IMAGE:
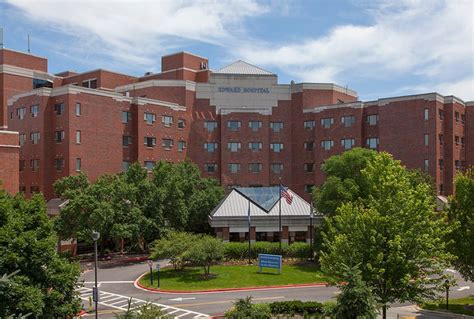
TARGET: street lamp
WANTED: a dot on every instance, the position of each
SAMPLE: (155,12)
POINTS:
(311,229)
(95,291)
(446,285)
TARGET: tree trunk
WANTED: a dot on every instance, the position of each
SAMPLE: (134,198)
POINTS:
(384,311)
(122,243)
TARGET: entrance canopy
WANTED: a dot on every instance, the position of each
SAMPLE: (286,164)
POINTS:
(263,203)
(263,197)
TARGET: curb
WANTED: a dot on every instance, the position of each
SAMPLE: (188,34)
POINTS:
(210,291)
(444,313)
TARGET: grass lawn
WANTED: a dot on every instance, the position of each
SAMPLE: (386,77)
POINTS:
(455,305)
(234,277)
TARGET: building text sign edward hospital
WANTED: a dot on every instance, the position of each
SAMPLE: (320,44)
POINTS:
(228,89)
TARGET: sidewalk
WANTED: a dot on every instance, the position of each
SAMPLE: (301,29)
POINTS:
(413,311)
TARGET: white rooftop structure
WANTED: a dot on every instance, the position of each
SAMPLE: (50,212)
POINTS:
(242,68)
(231,216)
(235,204)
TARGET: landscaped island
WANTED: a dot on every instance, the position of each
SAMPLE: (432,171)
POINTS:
(234,276)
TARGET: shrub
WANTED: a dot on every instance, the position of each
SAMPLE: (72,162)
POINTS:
(145,311)
(296,307)
(206,251)
(235,251)
(239,251)
(299,250)
(243,308)
(329,309)
(175,246)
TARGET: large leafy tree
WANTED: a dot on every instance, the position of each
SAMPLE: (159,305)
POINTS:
(344,182)
(393,232)
(135,207)
(461,217)
(44,283)
(186,198)
(118,206)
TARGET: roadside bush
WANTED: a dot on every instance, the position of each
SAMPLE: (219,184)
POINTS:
(299,250)
(239,251)
(145,311)
(235,251)
(243,309)
(329,309)
(296,307)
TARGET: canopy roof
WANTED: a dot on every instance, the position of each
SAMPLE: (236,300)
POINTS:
(263,202)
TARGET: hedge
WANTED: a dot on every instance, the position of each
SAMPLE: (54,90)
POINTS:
(239,251)
(296,307)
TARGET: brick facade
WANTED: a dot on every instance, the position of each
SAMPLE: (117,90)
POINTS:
(318,120)
(9,149)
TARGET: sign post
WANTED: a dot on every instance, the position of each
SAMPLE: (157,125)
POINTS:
(269,261)
(150,264)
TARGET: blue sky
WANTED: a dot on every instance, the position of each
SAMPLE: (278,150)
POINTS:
(379,48)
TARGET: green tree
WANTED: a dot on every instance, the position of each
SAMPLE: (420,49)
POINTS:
(461,217)
(174,246)
(186,198)
(344,181)
(356,299)
(206,251)
(120,207)
(394,233)
(44,283)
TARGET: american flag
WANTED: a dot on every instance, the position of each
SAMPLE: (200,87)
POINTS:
(284,193)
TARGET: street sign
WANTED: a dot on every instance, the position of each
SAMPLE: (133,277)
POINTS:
(269,261)
(157,266)
(95,294)
(150,262)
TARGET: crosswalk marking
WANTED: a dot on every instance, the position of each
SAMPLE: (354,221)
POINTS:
(121,302)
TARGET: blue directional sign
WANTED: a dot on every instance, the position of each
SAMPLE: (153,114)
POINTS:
(269,261)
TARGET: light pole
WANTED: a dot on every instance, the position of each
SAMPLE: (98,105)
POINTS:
(446,285)
(311,229)
(95,292)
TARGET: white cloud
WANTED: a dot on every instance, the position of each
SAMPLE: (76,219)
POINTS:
(136,32)
(427,43)
(463,88)
(432,40)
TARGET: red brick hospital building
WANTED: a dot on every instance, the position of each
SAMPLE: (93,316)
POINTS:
(237,123)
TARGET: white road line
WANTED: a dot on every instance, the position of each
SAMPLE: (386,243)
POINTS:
(169,313)
(463,288)
(135,301)
(119,302)
(109,300)
(110,282)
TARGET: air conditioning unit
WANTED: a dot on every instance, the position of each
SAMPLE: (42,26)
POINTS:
(203,65)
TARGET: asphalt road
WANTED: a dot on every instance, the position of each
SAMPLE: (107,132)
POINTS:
(119,282)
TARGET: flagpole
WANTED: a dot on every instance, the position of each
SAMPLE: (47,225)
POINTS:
(311,229)
(250,262)
(279,214)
